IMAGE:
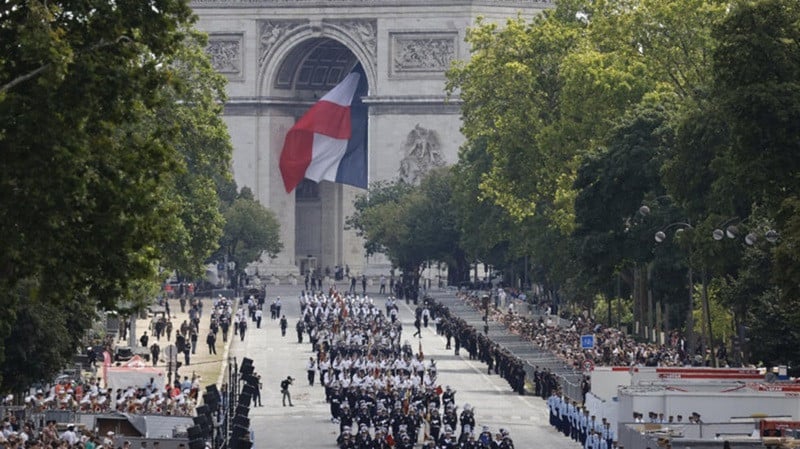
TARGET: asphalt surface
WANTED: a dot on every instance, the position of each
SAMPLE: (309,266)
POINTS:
(308,425)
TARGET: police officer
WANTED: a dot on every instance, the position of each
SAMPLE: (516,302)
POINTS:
(449,396)
(506,442)
(551,405)
(569,410)
(592,441)
(435,424)
(467,418)
(311,370)
(584,425)
(608,433)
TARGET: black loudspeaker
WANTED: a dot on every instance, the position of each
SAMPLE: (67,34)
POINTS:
(211,402)
(244,399)
(241,443)
(250,379)
(195,432)
(247,366)
(239,432)
(241,421)
(203,422)
(242,410)
(203,410)
(249,389)
(213,392)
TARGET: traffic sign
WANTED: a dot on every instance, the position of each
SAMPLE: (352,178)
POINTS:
(587,341)
(171,352)
(588,365)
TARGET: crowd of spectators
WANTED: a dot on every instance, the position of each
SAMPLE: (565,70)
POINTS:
(25,435)
(612,347)
(26,426)
(22,434)
(177,399)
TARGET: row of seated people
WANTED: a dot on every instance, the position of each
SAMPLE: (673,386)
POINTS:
(178,399)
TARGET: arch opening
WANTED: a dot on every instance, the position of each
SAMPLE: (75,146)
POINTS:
(308,71)
(315,65)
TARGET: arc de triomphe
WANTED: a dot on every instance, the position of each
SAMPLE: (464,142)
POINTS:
(281,55)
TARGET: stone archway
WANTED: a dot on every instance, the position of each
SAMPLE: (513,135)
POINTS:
(284,45)
(272,54)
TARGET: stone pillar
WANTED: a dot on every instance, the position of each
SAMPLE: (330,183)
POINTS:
(330,226)
(352,252)
(272,194)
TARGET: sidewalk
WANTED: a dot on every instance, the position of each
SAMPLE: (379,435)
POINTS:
(204,365)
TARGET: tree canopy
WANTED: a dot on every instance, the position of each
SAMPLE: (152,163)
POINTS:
(250,230)
(577,118)
(410,224)
(114,150)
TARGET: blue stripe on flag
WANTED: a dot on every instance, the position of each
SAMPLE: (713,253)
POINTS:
(352,168)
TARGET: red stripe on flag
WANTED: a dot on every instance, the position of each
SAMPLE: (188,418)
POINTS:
(324,117)
(295,157)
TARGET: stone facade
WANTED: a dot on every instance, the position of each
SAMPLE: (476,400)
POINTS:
(281,55)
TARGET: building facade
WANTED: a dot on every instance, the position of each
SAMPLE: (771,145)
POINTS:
(281,55)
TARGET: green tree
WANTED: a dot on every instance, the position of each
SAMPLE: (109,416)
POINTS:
(757,83)
(613,237)
(382,198)
(484,226)
(97,150)
(757,88)
(193,112)
(43,337)
(733,162)
(410,224)
(250,230)
(510,91)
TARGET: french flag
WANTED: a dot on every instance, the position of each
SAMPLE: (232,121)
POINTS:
(329,142)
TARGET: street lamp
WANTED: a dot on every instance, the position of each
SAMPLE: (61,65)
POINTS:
(750,239)
(732,231)
(772,236)
(660,236)
(644,297)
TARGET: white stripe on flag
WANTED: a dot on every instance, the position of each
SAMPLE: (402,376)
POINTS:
(343,93)
(326,153)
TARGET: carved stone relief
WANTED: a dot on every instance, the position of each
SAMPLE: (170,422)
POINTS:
(423,153)
(422,52)
(363,31)
(225,53)
(270,33)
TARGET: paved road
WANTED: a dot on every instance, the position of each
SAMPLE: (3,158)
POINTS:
(307,424)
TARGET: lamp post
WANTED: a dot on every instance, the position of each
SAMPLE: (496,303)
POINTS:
(659,237)
(729,229)
(732,232)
